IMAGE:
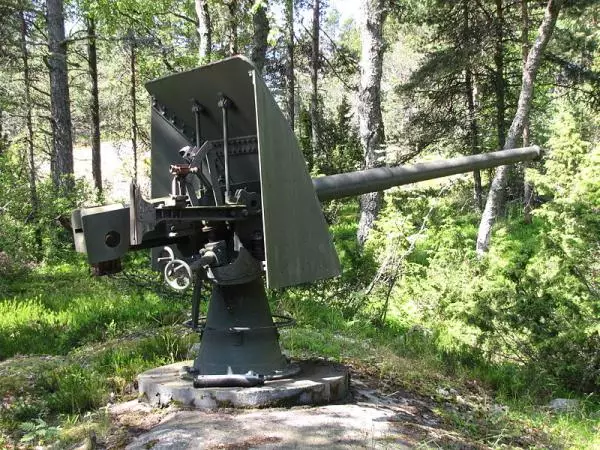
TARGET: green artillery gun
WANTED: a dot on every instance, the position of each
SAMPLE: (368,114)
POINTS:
(232,201)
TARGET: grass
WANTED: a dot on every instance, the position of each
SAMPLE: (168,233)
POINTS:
(53,310)
(493,405)
(70,343)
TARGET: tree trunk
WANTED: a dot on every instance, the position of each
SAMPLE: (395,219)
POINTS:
(2,138)
(33,195)
(498,186)
(372,135)
(473,127)
(232,6)
(260,24)
(527,186)
(290,80)
(314,79)
(473,136)
(94,106)
(62,144)
(204,30)
(133,97)
(499,75)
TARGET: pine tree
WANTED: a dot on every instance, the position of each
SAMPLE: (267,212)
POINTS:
(369,110)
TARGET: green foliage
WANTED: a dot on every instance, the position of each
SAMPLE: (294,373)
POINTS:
(30,235)
(36,320)
(341,150)
(103,332)
(72,389)
(38,432)
(533,301)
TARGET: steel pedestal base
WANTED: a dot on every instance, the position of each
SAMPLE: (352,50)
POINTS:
(239,335)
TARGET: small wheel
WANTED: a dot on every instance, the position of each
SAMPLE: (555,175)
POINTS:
(178,275)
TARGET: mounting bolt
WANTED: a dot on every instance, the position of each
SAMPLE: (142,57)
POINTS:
(224,102)
(197,107)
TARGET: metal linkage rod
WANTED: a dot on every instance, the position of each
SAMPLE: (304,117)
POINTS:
(373,180)
(197,110)
(224,104)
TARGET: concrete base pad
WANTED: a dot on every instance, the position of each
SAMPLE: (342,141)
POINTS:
(319,382)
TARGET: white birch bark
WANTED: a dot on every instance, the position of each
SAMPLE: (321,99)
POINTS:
(204,30)
(497,189)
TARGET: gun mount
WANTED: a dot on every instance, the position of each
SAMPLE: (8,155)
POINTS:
(232,200)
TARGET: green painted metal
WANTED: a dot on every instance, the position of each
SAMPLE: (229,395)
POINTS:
(239,335)
(173,119)
(372,180)
(166,141)
(297,242)
(101,232)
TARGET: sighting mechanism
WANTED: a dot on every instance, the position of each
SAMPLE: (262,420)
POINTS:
(232,202)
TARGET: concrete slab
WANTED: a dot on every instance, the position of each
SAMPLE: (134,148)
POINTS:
(318,383)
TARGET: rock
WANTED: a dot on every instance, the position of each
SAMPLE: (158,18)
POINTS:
(563,404)
(319,382)
(498,410)
(444,393)
(193,351)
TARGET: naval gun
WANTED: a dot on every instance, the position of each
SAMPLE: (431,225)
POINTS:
(233,204)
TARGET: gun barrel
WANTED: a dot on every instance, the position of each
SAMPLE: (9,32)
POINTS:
(373,180)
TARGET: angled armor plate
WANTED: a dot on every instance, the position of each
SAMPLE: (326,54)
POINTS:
(298,245)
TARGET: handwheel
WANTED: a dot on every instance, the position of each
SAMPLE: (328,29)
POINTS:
(178,274)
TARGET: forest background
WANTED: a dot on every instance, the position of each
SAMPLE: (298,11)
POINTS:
(425,276)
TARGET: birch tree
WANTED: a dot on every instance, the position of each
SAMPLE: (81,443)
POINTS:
(204,30)
(499,183)
(372,136)
(527,187)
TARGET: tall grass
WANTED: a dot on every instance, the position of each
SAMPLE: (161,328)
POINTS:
(51,311)
(93,337)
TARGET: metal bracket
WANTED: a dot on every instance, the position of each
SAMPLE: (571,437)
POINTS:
(142,216)
(242,270)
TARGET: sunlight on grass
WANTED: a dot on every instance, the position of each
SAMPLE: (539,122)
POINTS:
(94,336)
